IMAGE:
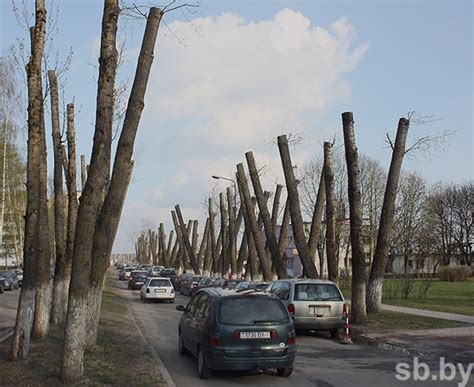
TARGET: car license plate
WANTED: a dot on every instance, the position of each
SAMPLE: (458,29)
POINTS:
(254,335)
(320,310)
(160,290)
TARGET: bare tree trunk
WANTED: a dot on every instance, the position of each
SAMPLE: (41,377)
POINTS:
(72,365)
(276,205)
(252,264)
(203,248)
(71,182)
(375,284)
(32,253)
(232,250)
(285,225)
(267,220)
(83,172)
(212,237)
(187,244)
(295,210)
(333,271)
(164,251)
(256,231)
(315,231)
(169,249)
(109,217)
(57,312)
(194,239)
(243,254)
(358,306)
(224,266)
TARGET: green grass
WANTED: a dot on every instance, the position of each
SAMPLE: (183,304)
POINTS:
(450,297)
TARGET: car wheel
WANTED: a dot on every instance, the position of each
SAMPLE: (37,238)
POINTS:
(204,371)
(181,348)
(285,372)
(171,301)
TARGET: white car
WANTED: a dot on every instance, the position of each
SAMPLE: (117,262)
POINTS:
(157,288)
(155,271)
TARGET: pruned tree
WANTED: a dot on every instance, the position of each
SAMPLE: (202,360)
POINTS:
(359,276)
(332,260)
(375,283)
(295,210)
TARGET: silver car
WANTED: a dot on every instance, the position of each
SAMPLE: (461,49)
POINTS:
(314,304)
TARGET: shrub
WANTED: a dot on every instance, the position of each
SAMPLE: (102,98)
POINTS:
(454,274)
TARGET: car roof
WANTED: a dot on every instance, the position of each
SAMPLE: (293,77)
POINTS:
(307,281)
(224,293)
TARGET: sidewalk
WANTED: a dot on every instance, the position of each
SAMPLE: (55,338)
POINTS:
(430,313)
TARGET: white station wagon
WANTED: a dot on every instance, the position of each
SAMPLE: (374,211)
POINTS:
(157,288)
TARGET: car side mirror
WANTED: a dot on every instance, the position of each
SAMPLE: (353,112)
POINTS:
(180,308)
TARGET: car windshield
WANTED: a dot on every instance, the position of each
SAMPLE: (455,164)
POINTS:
(317,292)
(6,274)
(140,277)
(159,283)
(250,310)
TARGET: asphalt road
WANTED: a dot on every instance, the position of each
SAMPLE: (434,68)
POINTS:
(8,306)
(320,361)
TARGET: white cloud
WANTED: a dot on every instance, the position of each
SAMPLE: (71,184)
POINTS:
(225,85)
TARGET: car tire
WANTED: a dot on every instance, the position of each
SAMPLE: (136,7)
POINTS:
(204,372)
(284,372)
(181,348)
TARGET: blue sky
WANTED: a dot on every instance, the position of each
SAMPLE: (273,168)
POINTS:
(235,74)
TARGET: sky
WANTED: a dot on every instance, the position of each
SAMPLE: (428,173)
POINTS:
(231,76)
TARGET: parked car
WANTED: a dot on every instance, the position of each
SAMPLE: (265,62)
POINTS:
(231,283)
(183,283)
(19,275)
(2,283)
(229,331)
(205,282)
(125,273)
(314,304)
(157,288)
(11,280)
(137,280)
(188,285)
(155,271)
(218,282)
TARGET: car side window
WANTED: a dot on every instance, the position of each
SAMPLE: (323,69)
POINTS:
(201,306)
(276,288)
(285,291)
(191,308)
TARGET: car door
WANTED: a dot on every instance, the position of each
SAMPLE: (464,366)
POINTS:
(200,319)
(188,322)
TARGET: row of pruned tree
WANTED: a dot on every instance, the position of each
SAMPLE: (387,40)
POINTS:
(85,232)
(262,245)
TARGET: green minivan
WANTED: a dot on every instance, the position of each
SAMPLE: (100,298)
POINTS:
(226,330)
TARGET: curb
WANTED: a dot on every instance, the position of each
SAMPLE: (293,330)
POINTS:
(163,370)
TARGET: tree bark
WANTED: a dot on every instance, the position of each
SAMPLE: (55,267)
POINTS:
(285,225)
(295,210)
(333,267)
(164,251)
(315,232)
(252,263)
(187,244)
(212,237)
(266,218)
(32,252)
(256,231)
(375,284)
(358,306)
(72,365)
(57,312)
(203,248)
(83,172)
(224,261)
(109,217)
(232,249)
(71,183)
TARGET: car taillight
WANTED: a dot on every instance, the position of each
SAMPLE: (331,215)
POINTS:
(291,337)
(148,290)
(291,309)
(214,339)
(273,334)
(237,335)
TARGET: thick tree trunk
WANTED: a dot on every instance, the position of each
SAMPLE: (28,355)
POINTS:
(194,239)
(187,244)
(266,218)
(375,284)
(285,225)
(295,210)
(333,266)
(203,249)
(256,230)
(232,249)
(224,260)
(26,306)
(72,365)
(109,217)
(83,172)
(358,306)
(57,312)
(315,232)
(243,254)
(212,238)
(252,263)
(169,249)
(164,260)
(71,182)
